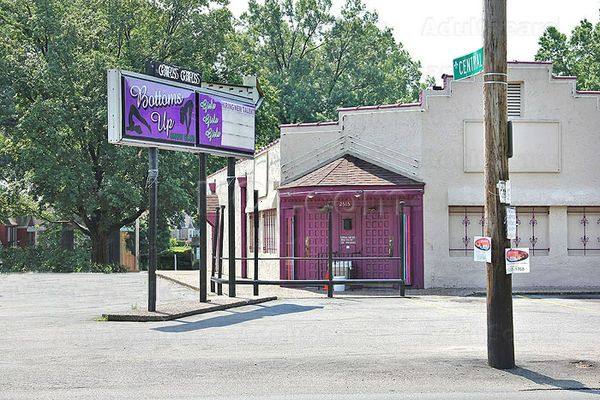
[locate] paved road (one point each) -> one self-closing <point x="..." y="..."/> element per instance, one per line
<point x="429" y="347"/>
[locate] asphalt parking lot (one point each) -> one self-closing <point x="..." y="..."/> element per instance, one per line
<point x="422" y="347"/>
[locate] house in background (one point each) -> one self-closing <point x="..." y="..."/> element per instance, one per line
<point x="20" y="231"/>
<point x="429" y="156"/>
<point x="186" y="230"/>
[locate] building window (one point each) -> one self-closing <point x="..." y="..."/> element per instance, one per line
<point x="532" y="230"/>
<point x="514" y="97"/>
<point x="269" y="235"/>
<point x="465" y="222"/>
<point x="251" y="232"/>
<point x="583" y="231"/>
<point x="31" y="238"/>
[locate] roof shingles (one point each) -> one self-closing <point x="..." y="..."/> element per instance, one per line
<point x="350" y="171"/>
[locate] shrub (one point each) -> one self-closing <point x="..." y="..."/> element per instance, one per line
<point x="48" y="256"/>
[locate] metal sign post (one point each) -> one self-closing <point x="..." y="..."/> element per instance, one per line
<point x="202" y="225"/>
<point x="152" y="222"/>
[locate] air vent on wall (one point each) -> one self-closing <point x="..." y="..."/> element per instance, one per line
<point x="514" y="96"/>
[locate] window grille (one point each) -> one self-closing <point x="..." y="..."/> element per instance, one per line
<point x="514" y="96"/>
<point x="465" y="222"/>
<point x="269" y="234"/>
<point x="583" y="231"/>
<point x="532" y="230"/>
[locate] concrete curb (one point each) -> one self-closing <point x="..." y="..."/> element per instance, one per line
<point x="163" y="316"/>
<point x="177" y="281"/>
<point x="542" y="293"/>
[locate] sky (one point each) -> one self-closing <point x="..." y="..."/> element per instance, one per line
<point x="437" y="31"/>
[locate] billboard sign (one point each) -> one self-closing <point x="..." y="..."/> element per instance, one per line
<point x="226" y="124"/>
<point x="157" y="112"/>
<point x="173" y="73"/>
<point x="148" y="111"/>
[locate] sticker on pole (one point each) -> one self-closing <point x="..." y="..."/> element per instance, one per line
<point x="482" y="249"/>
<point x="504" y="192"/>
<point x="517" y="260"/>
<point x="511" y="223"/>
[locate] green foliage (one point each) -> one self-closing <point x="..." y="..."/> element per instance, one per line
<point x="319" y="62"/>
<point x="54" y="56"/>
<point x="54" y="153"/>
<point x="48" y="256"/>
<point x="578" y="55"/>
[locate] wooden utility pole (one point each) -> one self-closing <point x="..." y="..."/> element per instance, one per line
<point x="500" y="343"/>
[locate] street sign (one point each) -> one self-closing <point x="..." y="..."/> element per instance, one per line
<point x="468" y="65"/>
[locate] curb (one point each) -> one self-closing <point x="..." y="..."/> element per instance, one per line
<point x="170" y="279"/>
<point x="542" y="293"/>
<point x="158" y="316"/>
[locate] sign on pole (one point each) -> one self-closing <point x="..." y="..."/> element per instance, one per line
<point x="517" y="260"/>
<point x="468" y="65"/>
<point x="149" y="111"/>
<point x="511" y="223"/>
<point x="482" y="249"/>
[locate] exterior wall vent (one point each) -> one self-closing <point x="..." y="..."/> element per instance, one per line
<point x="514" y="98"/>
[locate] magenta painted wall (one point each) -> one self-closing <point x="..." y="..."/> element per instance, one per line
<point x="358" y="203"/>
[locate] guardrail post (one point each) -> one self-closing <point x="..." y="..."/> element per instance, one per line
<point x="255" y="227"/>
<point x="330" y="251"/>
<point x="402" y="258"/>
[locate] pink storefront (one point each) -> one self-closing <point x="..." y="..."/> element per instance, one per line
<point x="367" y="201"/>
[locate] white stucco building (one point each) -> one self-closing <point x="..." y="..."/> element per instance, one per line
<point x="430" y="156"/>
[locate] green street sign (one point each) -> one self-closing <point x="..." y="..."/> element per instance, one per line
<point x="468" y="65"/>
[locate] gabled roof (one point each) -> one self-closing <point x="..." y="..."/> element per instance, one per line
<point x="351" y="171"/>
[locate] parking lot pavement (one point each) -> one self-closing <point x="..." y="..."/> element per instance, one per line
<point x="425" y="347"/>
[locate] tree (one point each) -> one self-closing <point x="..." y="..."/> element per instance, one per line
<point x="54" y="55"/>
<point x="578" y="55"/>
<point x="319" y="62"/>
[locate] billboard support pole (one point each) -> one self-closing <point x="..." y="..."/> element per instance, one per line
<point x="153" y="194"/>
<point x="202" y="225"/>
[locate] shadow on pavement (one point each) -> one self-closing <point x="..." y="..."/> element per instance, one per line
<point x="237" y="318"/>
<point x="541" y="379"/>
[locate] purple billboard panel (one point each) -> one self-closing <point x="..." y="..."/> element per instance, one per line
<point x="226" y="125"/>
<point x="158" y="112"/>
